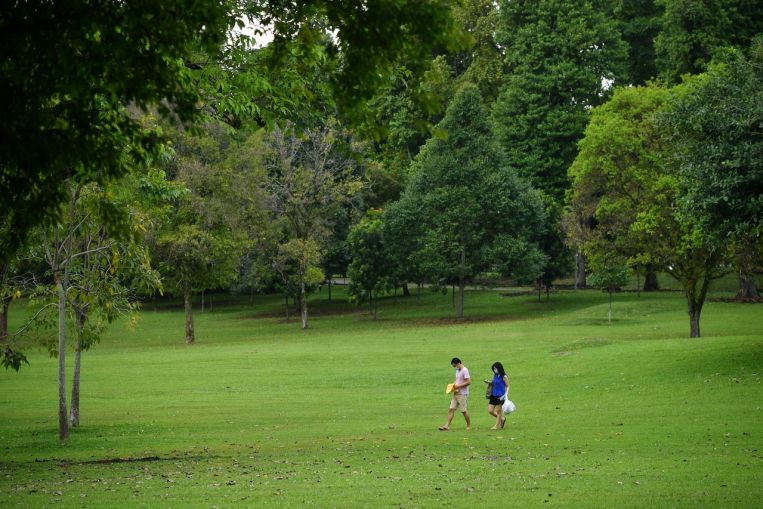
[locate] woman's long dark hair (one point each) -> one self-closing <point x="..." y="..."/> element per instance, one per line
<point x="499" y="367"/>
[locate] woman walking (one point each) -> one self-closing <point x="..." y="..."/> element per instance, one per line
<point x="500" y="389"/>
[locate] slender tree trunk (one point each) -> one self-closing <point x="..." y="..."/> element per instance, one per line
<point x="539" y="288"/>
<point x="4" y="319"/>
<point x="329" y="289"/>
<point x="63" y="424"/>
<point x="609" y="315"/>
<point x="580" y="270"/>
<point x="190" y="337"/>
<point x="461" y="283"/>
<point x="695" y="298"/>
<point x="651" y="283"/>
<point x="74" y="412"/>
<point x="6" y="301"/>
<point x="303" y="304"/>
<point x="406" y="291"/>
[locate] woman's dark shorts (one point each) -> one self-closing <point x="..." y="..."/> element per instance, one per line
<point x="496" y="400"/>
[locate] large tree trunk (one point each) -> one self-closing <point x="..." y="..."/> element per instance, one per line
<point x="651" y="284"/>
<point x="190" y="338"/>
<point x="748" y="290"/>
<point x="63" y="424"/>
<point x="303" y="304"/>
<point x="580" y="270"/>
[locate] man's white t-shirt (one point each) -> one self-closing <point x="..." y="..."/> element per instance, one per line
<point x="461" y="376"/>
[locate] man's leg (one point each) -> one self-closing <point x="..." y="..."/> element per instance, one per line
<point x="468" y="421"/>
<point x="451" y="413"/>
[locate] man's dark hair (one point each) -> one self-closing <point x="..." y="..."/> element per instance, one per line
<point x="455" y="360"/>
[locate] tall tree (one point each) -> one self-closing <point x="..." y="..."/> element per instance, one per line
<point x="561" y="60"/>
<point x="370" y="269"/>
<point x="472" y="213"/>
<point x="311" y="177"/>
<point x="629" y="178"/>
<point x="201" y="241"/>
<point x="715" y="127"/>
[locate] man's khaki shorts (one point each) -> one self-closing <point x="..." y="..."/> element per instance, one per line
<point x="458" y="402"/>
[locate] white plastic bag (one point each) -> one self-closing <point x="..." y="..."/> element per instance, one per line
<point x="508" y="406"/>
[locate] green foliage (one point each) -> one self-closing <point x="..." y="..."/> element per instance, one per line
<point x="714" y="124"/>
<point x="70" y="71"/>
<point x="467" y="211"/>
<point x="608" y="271"/>
<point x="694" y="31"/>
<point x="561" y="57"/>
<point x="618" y="180"/>
<point x="370" y="269"/>
<point x="639" y="22"/>
<point x="199" y="243"/>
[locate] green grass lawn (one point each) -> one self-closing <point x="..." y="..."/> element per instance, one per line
<point x="262" y="414"/>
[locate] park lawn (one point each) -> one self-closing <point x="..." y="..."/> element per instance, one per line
<point x="345" y="414"/>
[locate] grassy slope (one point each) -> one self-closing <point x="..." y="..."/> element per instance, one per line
<point x="345" y="414"/>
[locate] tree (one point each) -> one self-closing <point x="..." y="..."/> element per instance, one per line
<point x="615" y="173"/>
<point x="72" y="69"/>
<point x="714" y="125"/>
<point x="694" y="31"/>
<point x="471" y="212"/>
<point x="311" y="177"/>
<point x="201" y="242"/>
<point x="370" y="270"/>
<point x="562" y="58"/>
<point x="609" y="272"/>
<point x="481" y="62"/>
<point x="94" y="271"/>
<point x="626" y="178"/>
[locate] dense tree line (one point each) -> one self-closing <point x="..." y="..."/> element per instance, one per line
<point x="419" y="142"/>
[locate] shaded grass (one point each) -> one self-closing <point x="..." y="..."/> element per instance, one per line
<point x="261" y="413"/>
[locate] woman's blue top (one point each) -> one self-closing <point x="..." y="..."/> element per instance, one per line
<point x="499" y="386"/>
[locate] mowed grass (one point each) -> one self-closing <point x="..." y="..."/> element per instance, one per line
<point x="262" y="414"/>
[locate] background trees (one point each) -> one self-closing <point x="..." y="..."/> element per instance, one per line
<point x="311" y="177"/>
<point x="469" y="210"/>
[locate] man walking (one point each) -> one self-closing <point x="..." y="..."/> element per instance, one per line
<point x="460" y="395"/>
